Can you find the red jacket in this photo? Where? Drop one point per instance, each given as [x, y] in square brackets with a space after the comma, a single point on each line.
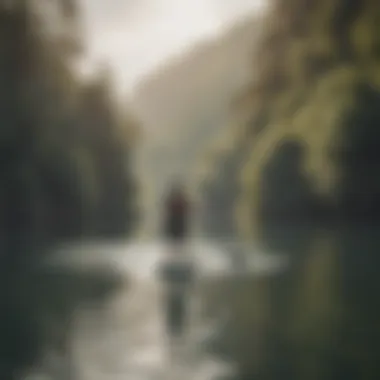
[178, 205]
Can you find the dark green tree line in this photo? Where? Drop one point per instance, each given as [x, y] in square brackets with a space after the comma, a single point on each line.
[65, 175]
[64, 144]
[312, 164]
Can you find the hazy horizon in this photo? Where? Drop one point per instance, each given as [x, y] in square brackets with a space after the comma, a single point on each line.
[135, 37]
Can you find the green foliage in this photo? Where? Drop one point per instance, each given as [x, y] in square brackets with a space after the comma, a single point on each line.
[310, 63]
[65, 176]
[64, 146]
[312, 162]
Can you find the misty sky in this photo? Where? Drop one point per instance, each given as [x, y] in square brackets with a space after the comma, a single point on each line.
[137, 35]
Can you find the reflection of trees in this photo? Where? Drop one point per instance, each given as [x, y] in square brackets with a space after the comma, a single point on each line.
[286, 217]
[358, 337]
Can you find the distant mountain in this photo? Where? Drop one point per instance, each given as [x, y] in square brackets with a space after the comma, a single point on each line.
[184, 103]
[188, 99]
[198, 83]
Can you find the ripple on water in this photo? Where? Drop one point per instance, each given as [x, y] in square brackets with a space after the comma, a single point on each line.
[129, 342]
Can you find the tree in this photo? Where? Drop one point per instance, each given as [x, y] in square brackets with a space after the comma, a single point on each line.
[65, 174]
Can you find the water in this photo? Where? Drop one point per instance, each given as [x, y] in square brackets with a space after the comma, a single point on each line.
[123, 336]
[307, 308]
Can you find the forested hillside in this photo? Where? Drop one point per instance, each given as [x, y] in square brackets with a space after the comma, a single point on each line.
[307, 143]
[297, 172]
[64, 144]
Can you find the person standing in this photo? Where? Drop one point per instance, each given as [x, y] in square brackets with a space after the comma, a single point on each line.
[177, 214]
[177, 270]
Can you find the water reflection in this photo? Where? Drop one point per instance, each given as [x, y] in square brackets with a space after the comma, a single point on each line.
[38, 311]
[95, 325]
[317, 319]
[314, 315]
